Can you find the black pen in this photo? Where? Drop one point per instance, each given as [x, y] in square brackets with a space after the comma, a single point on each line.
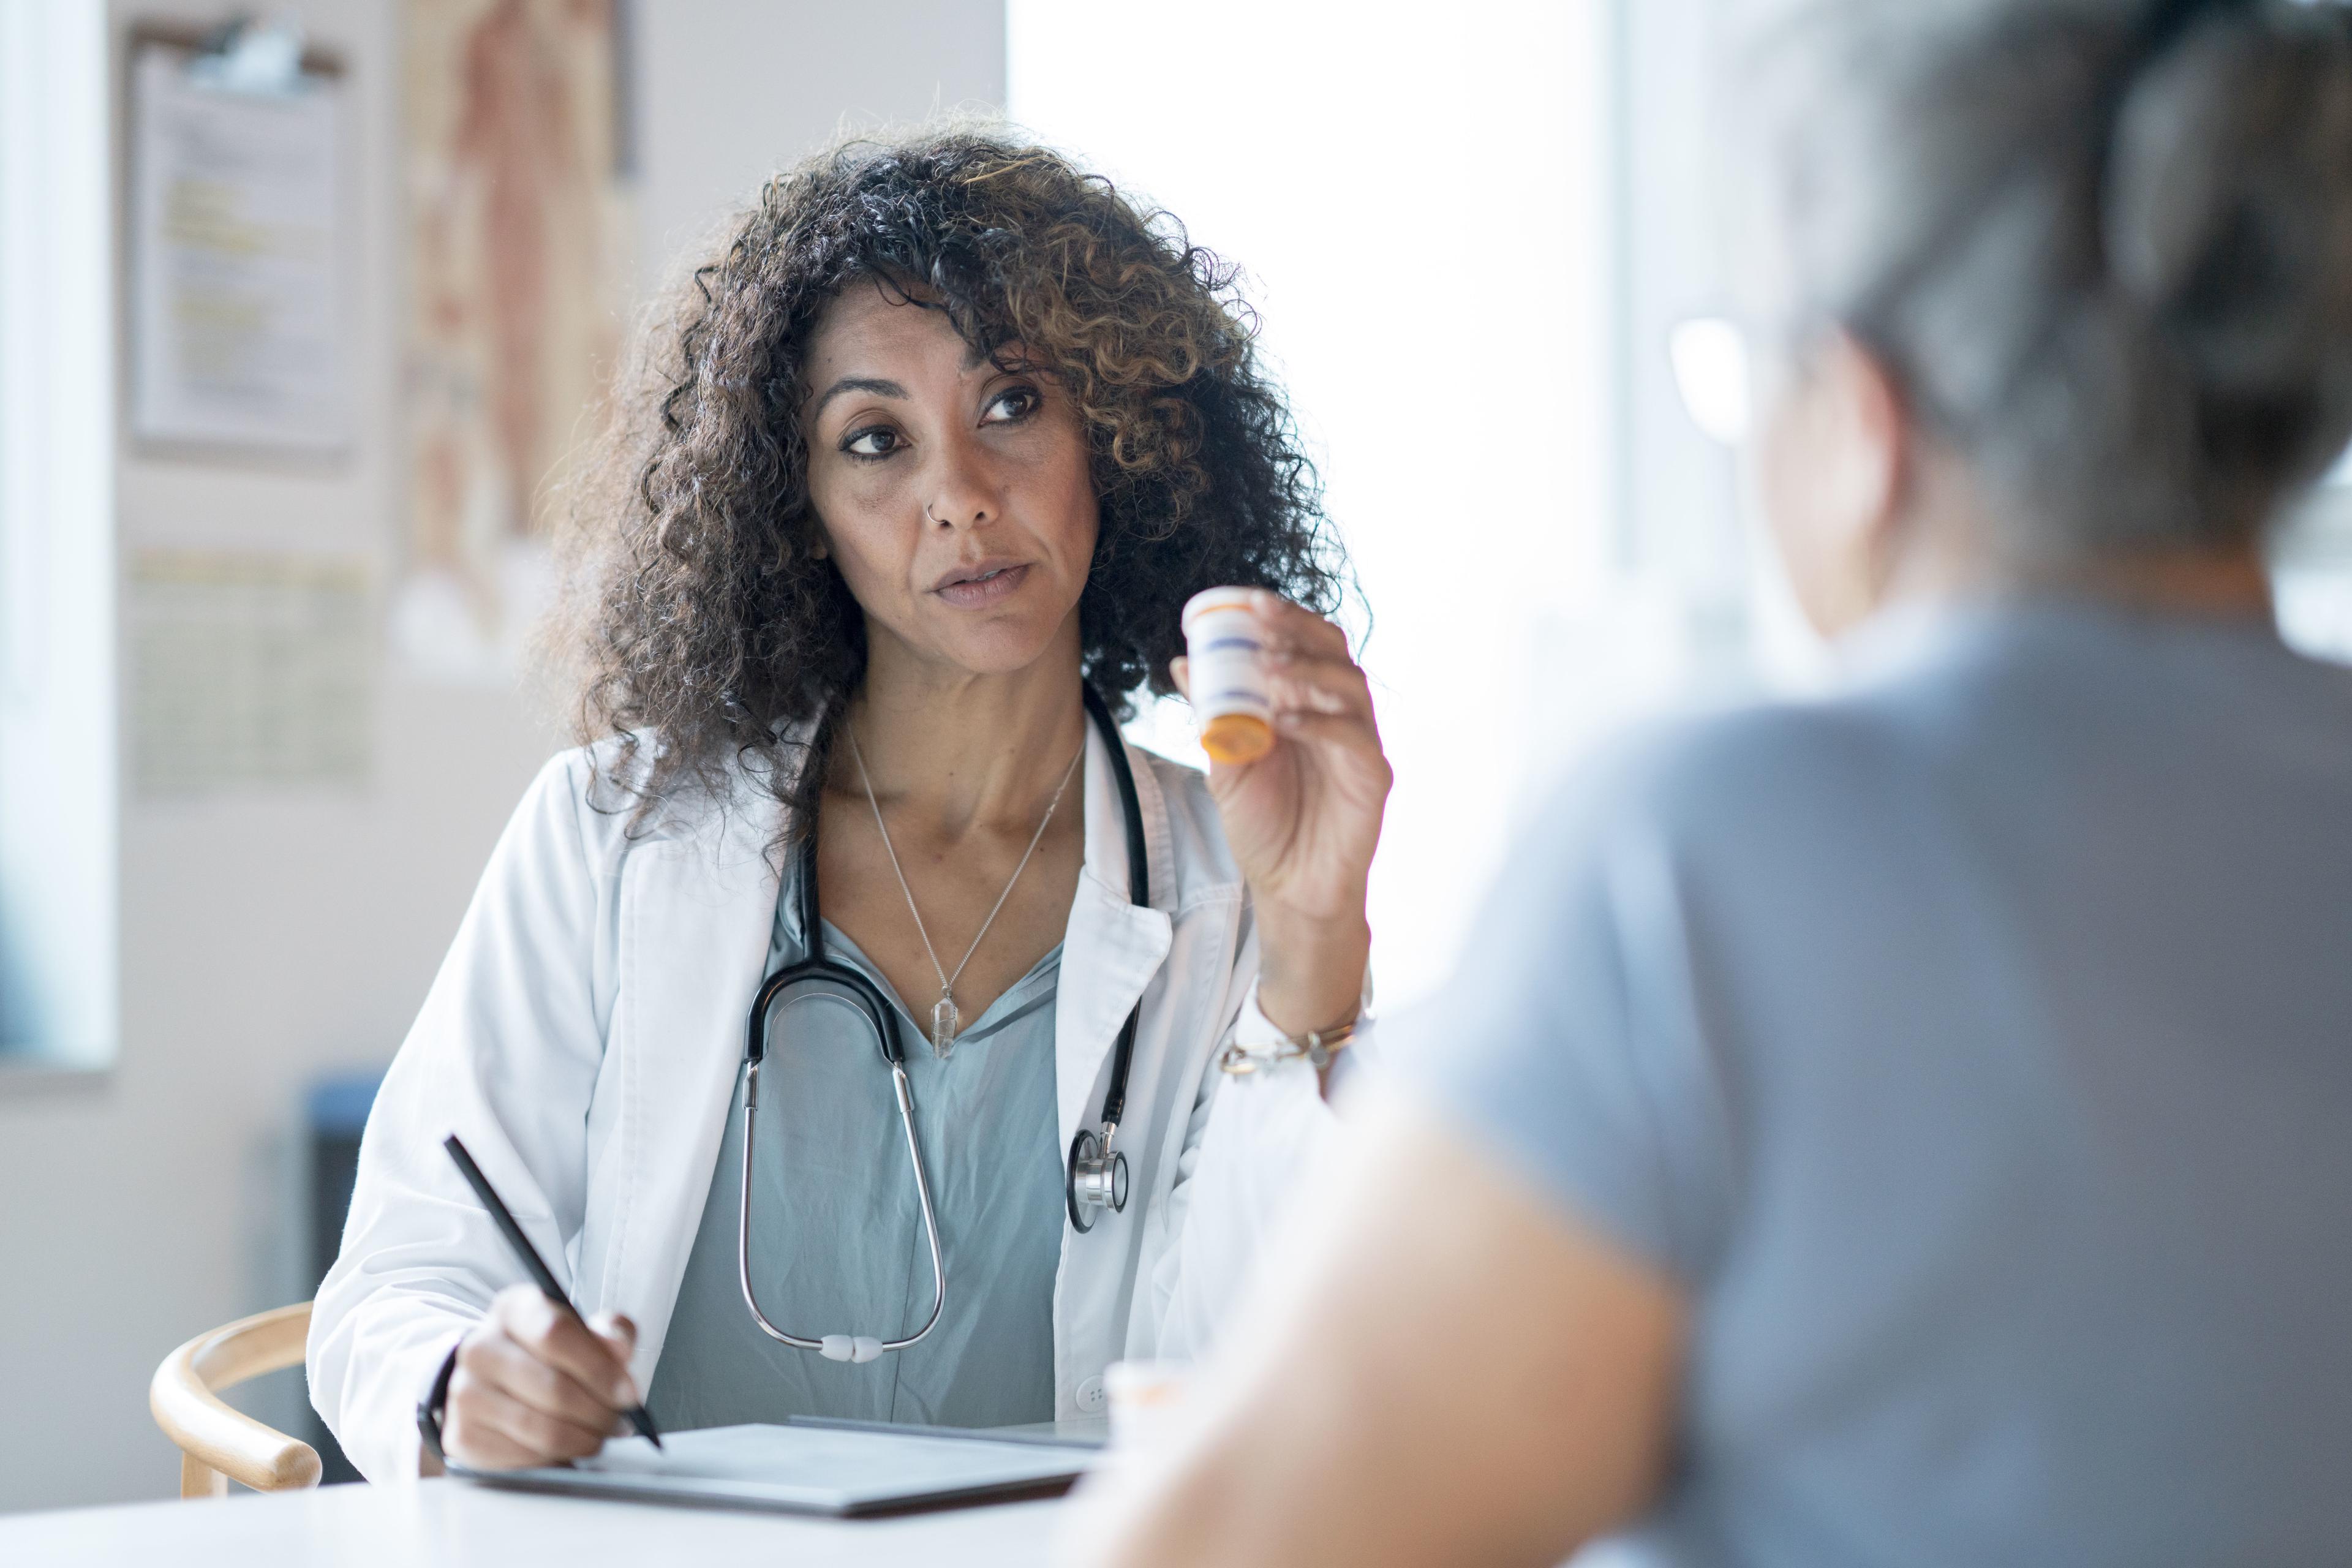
[532, 1263]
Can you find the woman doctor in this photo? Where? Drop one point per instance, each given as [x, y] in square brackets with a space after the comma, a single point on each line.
[945, 434]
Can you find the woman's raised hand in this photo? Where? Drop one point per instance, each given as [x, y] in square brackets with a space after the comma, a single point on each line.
[534, 1387]
[1304, 819]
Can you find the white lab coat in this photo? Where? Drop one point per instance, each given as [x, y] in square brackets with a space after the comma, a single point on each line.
[584, 1035]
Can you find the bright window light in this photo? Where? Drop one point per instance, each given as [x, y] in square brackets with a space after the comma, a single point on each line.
[58, 826]
[1414, 191]
[1710, 359]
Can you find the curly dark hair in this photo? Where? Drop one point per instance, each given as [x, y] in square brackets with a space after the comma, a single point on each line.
[708, 623]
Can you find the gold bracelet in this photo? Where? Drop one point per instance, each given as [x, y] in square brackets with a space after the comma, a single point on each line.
[1315, 1045]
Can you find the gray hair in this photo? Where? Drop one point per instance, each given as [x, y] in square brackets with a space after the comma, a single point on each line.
[2105, 247]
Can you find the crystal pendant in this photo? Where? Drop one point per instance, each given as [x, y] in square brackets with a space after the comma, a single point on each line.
[945, 1021]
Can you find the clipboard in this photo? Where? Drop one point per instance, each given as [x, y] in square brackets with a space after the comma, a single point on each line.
[237, 217]
[846, 1469]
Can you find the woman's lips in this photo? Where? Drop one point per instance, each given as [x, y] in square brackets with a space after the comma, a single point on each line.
[979, 592]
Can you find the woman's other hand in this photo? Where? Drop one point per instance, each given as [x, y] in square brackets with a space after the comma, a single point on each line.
[1304, 819]
[535, 1387]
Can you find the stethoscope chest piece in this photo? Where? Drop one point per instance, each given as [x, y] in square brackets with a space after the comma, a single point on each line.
[1097, 1178]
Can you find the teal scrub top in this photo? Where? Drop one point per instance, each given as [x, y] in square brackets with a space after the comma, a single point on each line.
[837, 1244]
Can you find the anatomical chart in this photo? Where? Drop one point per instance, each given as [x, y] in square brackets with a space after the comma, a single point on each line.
[517, 277]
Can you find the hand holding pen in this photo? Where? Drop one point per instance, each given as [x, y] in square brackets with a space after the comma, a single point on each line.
[535, 1382]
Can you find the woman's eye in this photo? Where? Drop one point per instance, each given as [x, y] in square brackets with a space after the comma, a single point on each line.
[1013, 402]
[873, 441]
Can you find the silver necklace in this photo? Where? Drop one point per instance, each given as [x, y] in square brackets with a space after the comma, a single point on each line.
[946, 1017]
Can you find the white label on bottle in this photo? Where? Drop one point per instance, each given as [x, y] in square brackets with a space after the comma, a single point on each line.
[1223, 649]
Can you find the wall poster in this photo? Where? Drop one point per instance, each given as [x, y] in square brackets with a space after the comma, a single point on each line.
[240, 248]
[517, 266]
[248, 670]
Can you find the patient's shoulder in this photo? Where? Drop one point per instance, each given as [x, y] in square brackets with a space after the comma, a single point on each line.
[1757, 773]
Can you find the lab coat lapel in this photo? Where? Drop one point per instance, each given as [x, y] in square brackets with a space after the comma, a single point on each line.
[698, 914]
[1113, 947]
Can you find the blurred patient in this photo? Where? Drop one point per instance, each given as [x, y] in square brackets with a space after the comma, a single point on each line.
[1912, 1126]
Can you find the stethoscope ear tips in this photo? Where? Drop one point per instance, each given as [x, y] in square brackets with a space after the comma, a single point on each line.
[849, 1347]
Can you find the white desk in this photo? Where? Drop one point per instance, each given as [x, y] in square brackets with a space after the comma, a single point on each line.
[456, 1524]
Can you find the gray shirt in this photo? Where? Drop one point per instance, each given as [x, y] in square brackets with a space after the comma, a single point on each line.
[1975, 1049]
[837, 1244]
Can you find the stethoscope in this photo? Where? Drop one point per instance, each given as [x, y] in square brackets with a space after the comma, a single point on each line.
[1094, 1177]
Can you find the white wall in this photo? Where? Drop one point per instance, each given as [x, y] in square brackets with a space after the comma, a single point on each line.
[734, 90]
[266, 940]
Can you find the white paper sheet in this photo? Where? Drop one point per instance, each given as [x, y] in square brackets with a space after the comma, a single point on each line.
[812, 1467]
[238, 255]
[249, 672]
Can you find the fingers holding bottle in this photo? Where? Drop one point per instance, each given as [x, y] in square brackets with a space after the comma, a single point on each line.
[1262, 671]
[1303, 813]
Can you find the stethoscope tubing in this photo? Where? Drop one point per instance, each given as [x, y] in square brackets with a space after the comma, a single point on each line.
[1092, 1165]
[922, 1193]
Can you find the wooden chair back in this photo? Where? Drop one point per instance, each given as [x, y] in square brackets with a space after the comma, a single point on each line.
[218, 1445]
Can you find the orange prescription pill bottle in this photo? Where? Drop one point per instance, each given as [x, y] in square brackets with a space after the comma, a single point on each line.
[1223, 645]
